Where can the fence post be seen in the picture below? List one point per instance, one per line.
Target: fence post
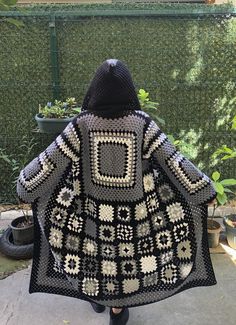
(54, 58)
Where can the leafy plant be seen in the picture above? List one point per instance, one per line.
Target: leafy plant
(186, 148)
(233, 121)
(222, 186)
(6, 5)
(60, 109)
(228, 153)
(222, 189)
(17, 164)
(148, 105)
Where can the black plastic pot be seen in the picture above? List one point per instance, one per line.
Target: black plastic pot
(230, 231)
(24, 235)
(52, 125)
(213, 229)
(17, 252)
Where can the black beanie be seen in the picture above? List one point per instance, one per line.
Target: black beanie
(111, 90)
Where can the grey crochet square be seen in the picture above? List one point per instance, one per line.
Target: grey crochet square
(113, 159)
(91, 228)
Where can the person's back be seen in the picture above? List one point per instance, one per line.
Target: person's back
(120, 210)
(112, 155)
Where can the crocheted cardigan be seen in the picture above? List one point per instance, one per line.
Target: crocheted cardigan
(120, 215)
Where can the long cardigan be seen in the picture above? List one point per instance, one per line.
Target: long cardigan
(120, 215)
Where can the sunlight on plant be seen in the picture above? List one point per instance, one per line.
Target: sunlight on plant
(223, 120)
(175, 73)
(222, 105)
(60, 109)
(230, 86)
(194, 49)
(149, 106)
(227, 152)
(7, 5)
(223, 192)
(230, 34)
(233, 123)
(191, 138)
(195, 71)
(219, 104)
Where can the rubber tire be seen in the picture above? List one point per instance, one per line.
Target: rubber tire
(18, 252)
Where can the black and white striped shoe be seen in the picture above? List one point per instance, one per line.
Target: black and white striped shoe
(121, 318)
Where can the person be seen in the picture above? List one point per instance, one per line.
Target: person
(119, 213)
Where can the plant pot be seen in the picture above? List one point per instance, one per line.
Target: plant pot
(22, 235)
(17, 252)
(213, 229)
(230, 230)
(52, 125)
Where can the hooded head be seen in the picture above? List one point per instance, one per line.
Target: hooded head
(111, 90)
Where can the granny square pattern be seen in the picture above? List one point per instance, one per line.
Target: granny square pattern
(120, 216)
(119, 170)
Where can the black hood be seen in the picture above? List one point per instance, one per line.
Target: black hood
(111, 90)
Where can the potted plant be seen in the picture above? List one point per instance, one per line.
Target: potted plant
(17, 240)
(229, 221)
(23, 228)
(221, 188)
(53, 117)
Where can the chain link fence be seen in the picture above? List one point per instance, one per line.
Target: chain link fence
(182, 54)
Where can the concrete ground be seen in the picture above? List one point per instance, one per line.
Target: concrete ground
(214, 305)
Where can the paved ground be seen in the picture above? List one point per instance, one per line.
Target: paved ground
(213, 305)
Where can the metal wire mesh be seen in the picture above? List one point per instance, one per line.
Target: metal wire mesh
(184, 55)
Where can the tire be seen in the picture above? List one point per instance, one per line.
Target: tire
(17, 252)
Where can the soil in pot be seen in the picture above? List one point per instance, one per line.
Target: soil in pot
(213, 229)
(230, 227)
(22, 230)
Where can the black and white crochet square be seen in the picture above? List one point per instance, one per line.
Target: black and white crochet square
(120, 147)
(117, 249)
(124, 231)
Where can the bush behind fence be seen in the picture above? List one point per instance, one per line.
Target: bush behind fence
(183, 55)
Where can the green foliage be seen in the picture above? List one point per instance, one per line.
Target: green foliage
(177, 65)
(228, 153)
(234, 123)
(224, 149)
(60, 109)
(148, 105)
(145, 102)
(184, 147)
(7, 5)
(14, 164)
(222, 187)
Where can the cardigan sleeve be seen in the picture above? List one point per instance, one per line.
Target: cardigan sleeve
(44, 172)
(194, 185)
